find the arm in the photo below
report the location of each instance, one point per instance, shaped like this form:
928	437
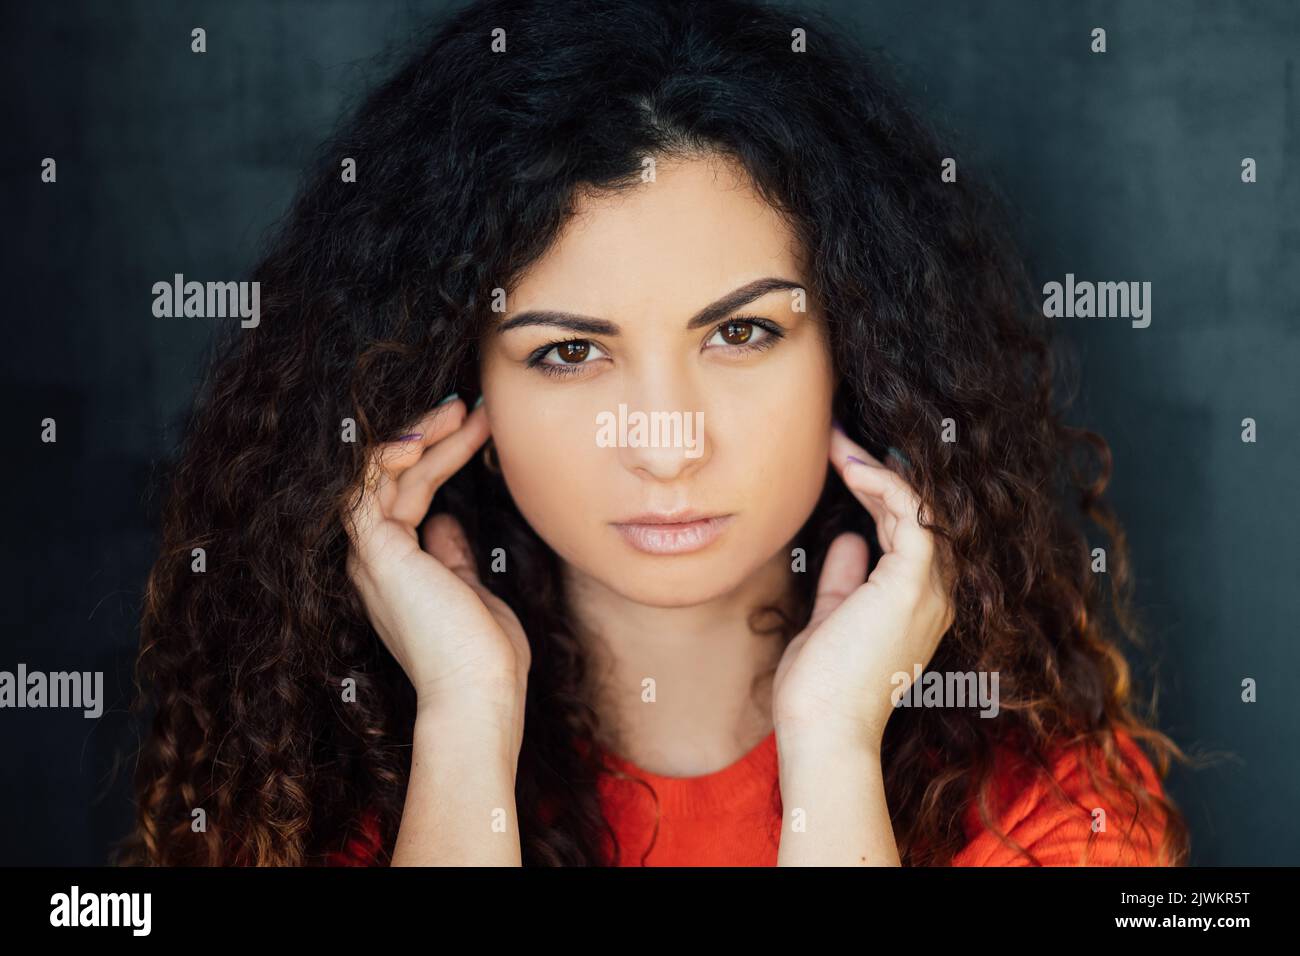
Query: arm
460	801
834	806
461	646
832	691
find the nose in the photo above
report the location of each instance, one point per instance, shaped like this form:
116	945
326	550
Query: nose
662	428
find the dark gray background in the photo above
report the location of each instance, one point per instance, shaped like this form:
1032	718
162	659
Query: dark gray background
1122	166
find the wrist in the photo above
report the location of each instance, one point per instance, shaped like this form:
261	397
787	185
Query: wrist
828	738
817	768
485	722
497	695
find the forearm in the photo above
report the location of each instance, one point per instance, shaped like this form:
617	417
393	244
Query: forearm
835	813
460	801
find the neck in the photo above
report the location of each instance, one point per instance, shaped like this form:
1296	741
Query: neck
712	696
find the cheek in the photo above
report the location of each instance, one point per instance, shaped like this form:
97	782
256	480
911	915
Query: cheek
552	466
780	432
785	451
795	448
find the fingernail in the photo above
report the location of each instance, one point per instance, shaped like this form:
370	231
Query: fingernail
835	423
450	398
858	460
899	455
414	436
477	402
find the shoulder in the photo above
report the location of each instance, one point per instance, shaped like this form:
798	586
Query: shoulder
1071	812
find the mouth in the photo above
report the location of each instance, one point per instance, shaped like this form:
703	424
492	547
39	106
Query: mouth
679	533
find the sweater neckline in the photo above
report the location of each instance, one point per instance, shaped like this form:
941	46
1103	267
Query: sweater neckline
751	776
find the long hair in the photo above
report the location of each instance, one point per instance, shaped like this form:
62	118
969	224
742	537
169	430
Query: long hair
374	295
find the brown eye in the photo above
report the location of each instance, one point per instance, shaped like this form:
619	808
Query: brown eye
564	358
737	333
573	351
736	336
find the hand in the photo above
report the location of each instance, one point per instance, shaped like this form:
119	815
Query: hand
461	646
833	683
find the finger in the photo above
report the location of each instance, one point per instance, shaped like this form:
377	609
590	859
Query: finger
366	511
841	449
419	483
896	494
843	571
396	457
876	485
902	506
444	538
385	462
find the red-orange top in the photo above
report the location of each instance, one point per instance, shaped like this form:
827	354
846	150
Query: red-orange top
732	817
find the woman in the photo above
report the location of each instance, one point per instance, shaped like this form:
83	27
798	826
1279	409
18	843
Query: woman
528	628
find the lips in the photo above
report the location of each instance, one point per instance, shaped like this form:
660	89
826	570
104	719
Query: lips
678	533
670	517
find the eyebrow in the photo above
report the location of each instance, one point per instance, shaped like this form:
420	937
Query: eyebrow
709	315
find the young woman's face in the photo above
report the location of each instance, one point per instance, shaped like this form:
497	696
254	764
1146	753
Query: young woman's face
637	271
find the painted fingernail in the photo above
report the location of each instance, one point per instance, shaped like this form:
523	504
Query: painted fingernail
450	398
835	423
414	436
477	402
858	460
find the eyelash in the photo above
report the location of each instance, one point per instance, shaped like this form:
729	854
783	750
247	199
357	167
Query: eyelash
774	335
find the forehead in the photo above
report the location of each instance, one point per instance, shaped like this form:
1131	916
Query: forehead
662	248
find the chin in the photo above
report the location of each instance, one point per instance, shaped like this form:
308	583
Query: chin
667	593
677	581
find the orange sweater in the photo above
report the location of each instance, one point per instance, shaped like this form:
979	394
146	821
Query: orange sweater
732	817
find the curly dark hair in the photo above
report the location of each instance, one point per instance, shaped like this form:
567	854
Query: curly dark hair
374	293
